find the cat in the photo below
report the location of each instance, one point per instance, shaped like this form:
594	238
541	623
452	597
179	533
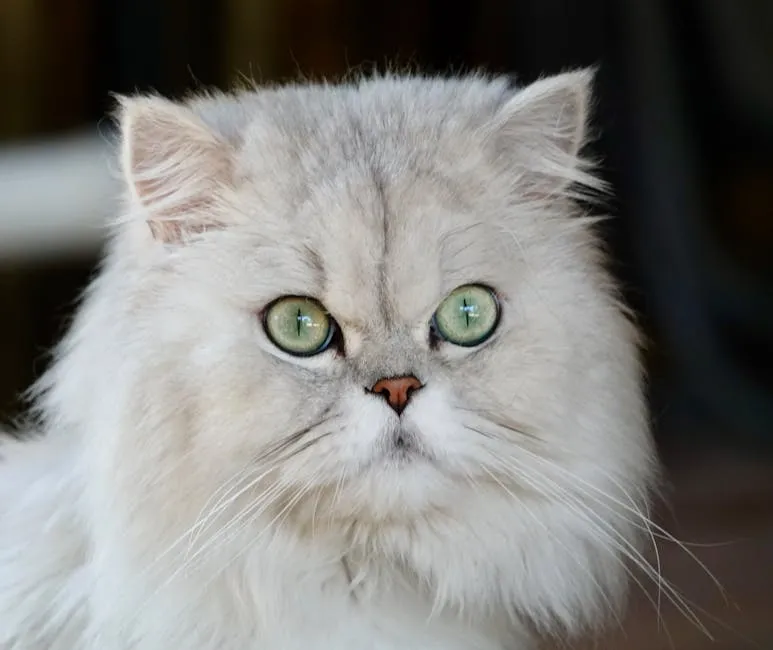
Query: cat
351	375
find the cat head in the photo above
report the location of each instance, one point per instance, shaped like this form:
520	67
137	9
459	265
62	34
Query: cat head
373	310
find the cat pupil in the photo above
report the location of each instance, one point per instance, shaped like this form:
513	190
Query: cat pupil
470	311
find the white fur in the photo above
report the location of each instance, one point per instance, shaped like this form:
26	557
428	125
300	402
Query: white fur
152	513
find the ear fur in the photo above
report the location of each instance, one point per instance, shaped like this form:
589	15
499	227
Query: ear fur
175	167
540	130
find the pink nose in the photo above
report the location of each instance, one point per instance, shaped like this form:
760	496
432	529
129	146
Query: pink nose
397	390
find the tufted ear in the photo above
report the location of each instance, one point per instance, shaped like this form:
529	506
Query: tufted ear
175	167
540	130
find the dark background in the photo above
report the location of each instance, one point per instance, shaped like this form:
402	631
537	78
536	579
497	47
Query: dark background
685	116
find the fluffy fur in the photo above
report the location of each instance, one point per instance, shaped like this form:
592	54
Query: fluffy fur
194	487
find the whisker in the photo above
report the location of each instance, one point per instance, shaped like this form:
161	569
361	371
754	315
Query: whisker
336	494
627	550
509	425
291	454
207	517
662	531
589	490
234	488
306	445
212	516
539	523
618	541
659	531
279	517
283	444
686	607
207	512
235	478
255	508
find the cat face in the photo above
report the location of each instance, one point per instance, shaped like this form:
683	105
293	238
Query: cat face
369	305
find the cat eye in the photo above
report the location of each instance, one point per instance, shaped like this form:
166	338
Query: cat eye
468	315
299	326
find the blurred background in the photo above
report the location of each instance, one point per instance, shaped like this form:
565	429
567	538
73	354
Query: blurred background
685	120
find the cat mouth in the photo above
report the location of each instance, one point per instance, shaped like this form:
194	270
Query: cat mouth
403	446
399	448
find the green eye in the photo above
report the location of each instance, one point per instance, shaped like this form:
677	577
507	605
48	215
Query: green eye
468	316
299	326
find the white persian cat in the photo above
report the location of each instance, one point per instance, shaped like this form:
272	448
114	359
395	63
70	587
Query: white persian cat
351	376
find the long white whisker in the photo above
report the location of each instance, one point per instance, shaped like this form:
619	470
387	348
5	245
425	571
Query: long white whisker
666	535
202	520
648	525
251	510
536	520
228	498
226	501
240	520
616	538
336	493
186	534
279	517
533	482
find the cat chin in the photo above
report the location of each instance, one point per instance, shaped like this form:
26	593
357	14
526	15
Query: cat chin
391	489
404	489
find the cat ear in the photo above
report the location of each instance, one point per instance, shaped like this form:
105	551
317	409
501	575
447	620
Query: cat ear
540	130
175	167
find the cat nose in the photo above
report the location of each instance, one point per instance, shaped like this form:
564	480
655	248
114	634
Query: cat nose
397	390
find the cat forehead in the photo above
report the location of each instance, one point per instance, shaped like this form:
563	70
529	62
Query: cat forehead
378	186
301	134
383	251
377	251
